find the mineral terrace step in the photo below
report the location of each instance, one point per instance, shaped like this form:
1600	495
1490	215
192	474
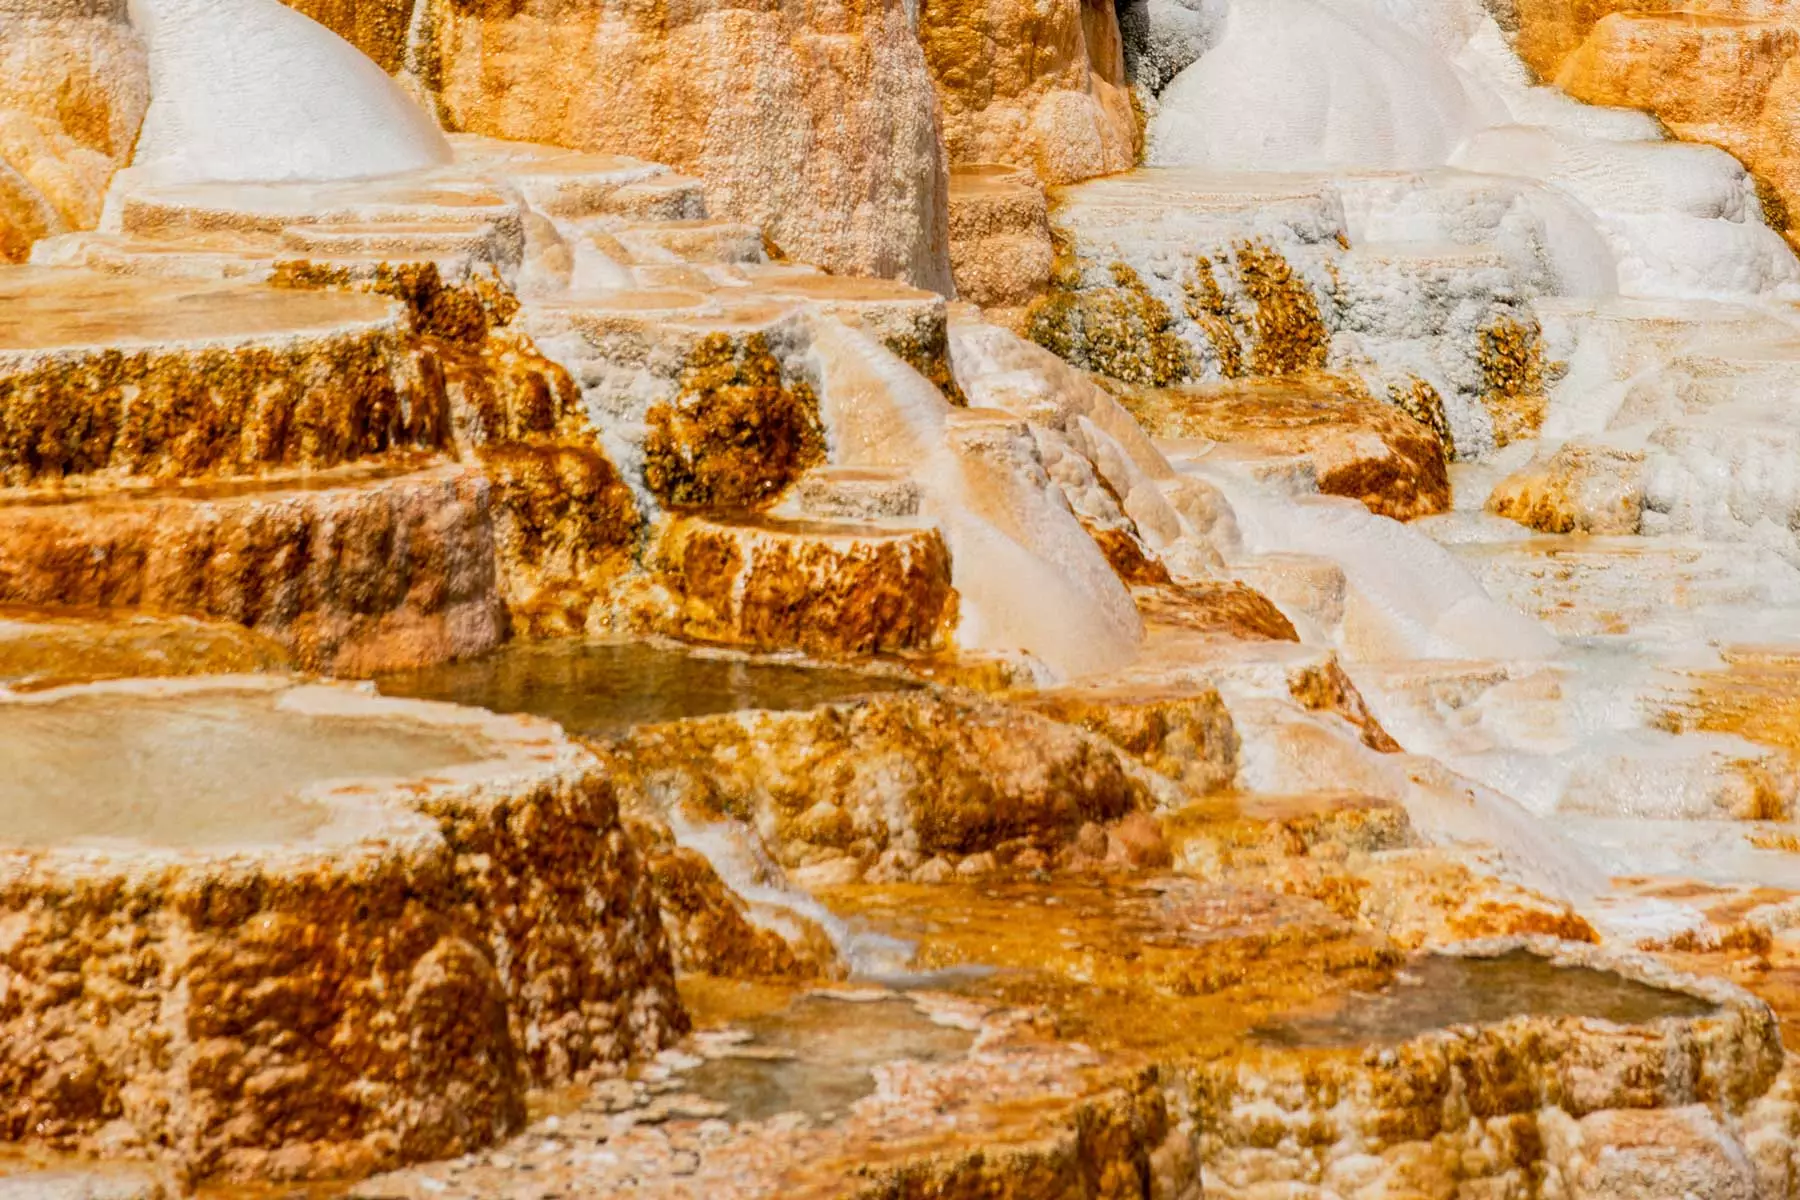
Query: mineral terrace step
574	184
1586	586
1715	375
353	572
421	198
381	959
132	378
701	241
830	588
1156	204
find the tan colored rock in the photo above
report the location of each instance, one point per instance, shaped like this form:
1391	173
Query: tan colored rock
1000	251
712	930
74	84
817	125
1359	447
1721	72
55	647
215	380
934	775
1581	488
1185	735
1653	1154
354	573
378	948
827	588
1685	67
1039	86
1472	1108
1247	834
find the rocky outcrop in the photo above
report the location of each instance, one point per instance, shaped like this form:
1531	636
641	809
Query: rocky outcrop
1000	250
1357	446
830	589
1037	86
320	976
1527	1091
819	127
915	779
74	85
1581	488
1722	74
374	573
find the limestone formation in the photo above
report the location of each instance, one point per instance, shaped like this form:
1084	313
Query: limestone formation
939	659
370	969
74	85
1036	86
819	128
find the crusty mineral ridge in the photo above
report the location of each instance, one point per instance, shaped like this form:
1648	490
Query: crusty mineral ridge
1581	488
1358	446
1721	72
1000	251
115	379
1036	85
47	647
74	84
818	125
238	962
831	588
914	778
1492	1106
371	573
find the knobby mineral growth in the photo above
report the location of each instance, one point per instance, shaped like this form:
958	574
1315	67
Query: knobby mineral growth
899	600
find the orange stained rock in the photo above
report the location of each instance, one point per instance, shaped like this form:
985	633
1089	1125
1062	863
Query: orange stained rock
1034	85
1756	695
1228	609
828	589
1000	249
102	375
1159	966
1327	688
815	121
72	94
365	574
1716	71
737	434
1185	734
949	777
1685	67
53	647
1360	447
1581	488
403	972
712	932
566	531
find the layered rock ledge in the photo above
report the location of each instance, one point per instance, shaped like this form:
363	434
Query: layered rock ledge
288	930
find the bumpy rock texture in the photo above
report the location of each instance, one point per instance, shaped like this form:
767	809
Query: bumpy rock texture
817	125
319	1008
1038	86
74	85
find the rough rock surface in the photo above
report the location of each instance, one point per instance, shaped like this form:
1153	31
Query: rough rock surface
74	85
817	125
1581	488
1000	251
438	961
1035	85
1358	446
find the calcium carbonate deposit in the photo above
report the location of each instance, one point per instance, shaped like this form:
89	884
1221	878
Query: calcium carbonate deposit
910	600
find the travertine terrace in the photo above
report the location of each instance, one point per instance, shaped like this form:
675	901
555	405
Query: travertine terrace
899	600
